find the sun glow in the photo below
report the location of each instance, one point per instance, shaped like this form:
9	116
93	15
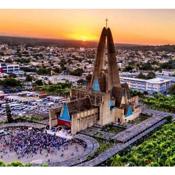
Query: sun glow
83	37
131	26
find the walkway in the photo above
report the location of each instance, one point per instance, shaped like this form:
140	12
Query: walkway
160	119
21	124
91	147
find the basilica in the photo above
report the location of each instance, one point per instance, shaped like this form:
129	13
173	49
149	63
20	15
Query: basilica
104	101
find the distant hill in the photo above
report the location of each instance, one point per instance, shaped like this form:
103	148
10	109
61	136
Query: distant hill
167	47
11	40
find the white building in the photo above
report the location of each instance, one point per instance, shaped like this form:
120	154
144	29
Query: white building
9	68
63	78
151	86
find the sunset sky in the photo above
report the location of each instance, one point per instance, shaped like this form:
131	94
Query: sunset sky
128	26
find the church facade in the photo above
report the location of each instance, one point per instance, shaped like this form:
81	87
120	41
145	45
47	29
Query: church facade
104	101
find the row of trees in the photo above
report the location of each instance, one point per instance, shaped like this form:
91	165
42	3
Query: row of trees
56	89
150	75
150	65
10	82
14	164
158	150
161	102
19	164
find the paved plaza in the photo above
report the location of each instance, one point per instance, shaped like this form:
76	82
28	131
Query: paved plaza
34	146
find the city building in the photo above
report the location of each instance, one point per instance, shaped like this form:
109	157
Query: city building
9	68
104	101
151	86
63	78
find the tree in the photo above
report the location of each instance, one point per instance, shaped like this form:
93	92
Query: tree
16	164
57	70
169	119
117	161
11	82
2	164
77	72
146	66
44	71
141	75
9	60
8	113
28	78
128	68
172	89
88	78
151	75
39	82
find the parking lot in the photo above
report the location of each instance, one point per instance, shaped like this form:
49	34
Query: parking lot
28	103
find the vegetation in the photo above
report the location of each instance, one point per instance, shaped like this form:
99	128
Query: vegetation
56	89
158	150
137	93
150	75
161	102
8	113
113	129
128	68
14	164
23	60
38	83
44	71
168	65
146	66
30	118
172	90
103	146
29	78
10	82
140	119
77	72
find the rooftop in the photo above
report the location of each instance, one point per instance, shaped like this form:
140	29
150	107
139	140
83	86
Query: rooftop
154	80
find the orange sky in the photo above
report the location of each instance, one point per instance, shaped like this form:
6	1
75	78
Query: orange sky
128	26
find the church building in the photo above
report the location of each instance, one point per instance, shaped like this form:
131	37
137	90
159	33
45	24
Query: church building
104	101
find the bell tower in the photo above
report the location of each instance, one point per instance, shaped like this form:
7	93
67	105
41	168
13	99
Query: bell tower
106	80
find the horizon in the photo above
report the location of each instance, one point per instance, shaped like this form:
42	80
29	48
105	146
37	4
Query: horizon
138	27
74	40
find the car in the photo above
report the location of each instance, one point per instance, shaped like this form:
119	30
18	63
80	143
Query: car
3	132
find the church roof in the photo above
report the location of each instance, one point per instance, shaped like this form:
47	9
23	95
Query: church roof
79	105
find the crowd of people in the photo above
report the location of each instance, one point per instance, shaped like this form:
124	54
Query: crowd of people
29	142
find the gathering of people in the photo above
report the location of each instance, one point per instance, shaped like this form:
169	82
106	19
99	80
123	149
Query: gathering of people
30	143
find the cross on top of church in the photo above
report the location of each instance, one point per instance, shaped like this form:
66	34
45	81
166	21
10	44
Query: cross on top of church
106	22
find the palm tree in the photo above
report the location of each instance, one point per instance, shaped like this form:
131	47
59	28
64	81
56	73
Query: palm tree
8	113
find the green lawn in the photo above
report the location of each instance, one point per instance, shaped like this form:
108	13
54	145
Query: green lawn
103	146
55	89
157	150
113	129
140	119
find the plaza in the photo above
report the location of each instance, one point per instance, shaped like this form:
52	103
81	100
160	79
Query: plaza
34	146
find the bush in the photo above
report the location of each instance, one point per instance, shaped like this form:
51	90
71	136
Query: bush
169	119
10	82
16	164
2	164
